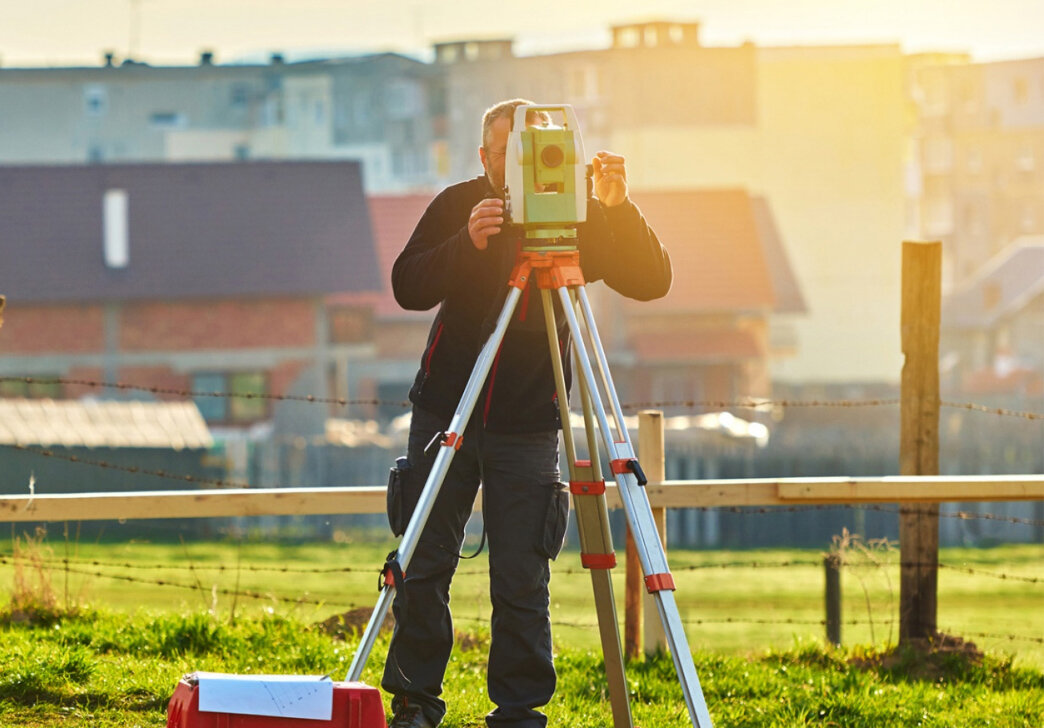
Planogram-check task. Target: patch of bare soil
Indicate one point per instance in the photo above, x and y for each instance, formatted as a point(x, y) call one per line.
point(353, 621)
point(932, 659)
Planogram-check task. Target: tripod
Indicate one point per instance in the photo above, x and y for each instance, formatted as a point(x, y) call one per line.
point(557, 268)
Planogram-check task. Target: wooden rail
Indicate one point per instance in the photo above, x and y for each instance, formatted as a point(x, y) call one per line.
point(371, 499)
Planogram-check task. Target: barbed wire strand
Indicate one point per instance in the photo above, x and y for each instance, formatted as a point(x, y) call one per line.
point(755, 404)
point(185, 393)
point(62, 563)
point(269, 596)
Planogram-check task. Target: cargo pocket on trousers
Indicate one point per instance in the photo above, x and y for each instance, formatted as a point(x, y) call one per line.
point(398, 482)
point(555, 520)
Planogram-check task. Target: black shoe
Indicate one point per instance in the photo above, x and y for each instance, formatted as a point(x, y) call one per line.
point(410, 716)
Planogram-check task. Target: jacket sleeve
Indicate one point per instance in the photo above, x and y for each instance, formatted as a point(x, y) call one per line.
point(435, 258)
point(619, 247)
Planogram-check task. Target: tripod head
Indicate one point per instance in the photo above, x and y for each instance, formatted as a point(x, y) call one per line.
point(546, 176)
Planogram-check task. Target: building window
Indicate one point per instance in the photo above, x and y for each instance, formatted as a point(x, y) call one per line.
point(19, 388)
point(938, 155)
point(167, 120)
point(95, 100)
point(402, 99)
point(1029, 218)
point(115, 229)
point(213, 409)
point(938, 216)
point(243, 409)
point(583, 83)
point(228, 404)
point(628, 38)
point(1025, 161)
point(448, 53)
point(239, 95)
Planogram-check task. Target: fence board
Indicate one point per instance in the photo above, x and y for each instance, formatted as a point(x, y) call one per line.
point(371, 499)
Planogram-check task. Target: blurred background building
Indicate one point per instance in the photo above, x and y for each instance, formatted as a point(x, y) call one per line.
point(262, 204)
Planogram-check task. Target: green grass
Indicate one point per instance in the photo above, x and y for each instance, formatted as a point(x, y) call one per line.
point(729, 605)
point(110, 669)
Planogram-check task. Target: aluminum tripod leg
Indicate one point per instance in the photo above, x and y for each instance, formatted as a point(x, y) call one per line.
point(636, 503)
point(435, 478)
point(592, 519)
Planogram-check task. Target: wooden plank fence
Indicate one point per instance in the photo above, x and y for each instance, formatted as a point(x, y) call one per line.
point(662, 495)
point(667, 494)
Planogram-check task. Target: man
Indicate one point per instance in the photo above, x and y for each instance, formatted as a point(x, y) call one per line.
point(457, 259)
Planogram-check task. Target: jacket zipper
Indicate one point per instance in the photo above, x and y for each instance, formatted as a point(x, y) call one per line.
point(431, 350)
point(489, 390)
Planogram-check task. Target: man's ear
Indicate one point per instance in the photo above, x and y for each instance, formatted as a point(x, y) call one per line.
point(482, 156)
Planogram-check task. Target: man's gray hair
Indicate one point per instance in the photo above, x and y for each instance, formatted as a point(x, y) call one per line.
point(506, 110)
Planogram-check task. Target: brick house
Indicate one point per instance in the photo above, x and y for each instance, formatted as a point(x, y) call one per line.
point(203, 277)
point(398, 336)
point(726, 321)
point(715, 336)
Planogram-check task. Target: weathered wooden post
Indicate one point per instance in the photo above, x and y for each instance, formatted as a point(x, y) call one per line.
point(919, 437)
point(653, 458)
point(636, 599)
point(832, 572)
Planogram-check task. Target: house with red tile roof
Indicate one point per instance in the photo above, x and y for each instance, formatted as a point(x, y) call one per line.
point(397, 336)
point(714, 336)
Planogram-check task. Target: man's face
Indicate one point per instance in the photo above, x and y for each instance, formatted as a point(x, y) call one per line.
point(493, 151)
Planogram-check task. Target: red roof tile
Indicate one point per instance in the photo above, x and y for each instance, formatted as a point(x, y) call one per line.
point(714, 241)
point(393, 218)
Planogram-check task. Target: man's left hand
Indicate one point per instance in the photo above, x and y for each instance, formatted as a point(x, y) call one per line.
point(610, 178)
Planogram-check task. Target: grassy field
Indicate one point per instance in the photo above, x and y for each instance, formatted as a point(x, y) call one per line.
point(98, 634)
point(108, 670)
point(733, 603)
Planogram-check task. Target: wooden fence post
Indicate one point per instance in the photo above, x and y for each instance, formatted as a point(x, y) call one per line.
point(653, 459)
point(832, 571)
point(636, 599)
point(919, 437)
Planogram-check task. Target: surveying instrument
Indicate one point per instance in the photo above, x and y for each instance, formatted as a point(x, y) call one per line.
point(546, 198)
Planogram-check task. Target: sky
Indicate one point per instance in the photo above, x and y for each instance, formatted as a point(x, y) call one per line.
point(173, 32)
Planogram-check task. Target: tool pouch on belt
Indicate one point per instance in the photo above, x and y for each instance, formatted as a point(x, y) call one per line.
point(555, 519)
point(399, 507)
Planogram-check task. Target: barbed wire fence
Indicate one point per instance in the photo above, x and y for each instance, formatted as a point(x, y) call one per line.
point(118, 571)
point(126, 571)
point(691, 404)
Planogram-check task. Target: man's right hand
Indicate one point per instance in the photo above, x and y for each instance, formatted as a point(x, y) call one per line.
point(486, 219)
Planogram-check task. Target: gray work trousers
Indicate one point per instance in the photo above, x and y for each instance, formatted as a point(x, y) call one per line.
point(524, 508)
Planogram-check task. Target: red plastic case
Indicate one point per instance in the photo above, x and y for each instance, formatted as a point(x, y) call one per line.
point(354, 706)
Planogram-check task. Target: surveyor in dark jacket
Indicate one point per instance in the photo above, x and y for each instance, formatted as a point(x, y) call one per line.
point(460, 258)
